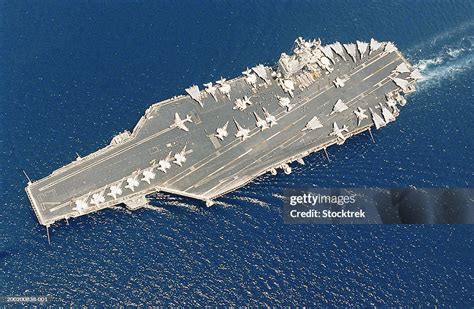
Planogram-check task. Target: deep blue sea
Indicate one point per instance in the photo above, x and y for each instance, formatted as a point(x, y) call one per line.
point(75, 73)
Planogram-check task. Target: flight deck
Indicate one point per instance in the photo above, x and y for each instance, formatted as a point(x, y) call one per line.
point(212, 141)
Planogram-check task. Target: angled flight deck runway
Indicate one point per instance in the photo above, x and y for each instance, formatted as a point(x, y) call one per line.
point(212, 141)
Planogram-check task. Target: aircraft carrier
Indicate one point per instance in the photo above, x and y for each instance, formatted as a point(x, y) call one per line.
point(212, 140)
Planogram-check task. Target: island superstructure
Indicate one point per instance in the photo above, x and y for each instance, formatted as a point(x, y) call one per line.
point(213, 140)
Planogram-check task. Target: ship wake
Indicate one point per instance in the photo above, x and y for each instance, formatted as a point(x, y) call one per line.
point(444, 56)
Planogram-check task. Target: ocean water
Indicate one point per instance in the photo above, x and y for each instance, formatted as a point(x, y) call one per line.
point(73, 74)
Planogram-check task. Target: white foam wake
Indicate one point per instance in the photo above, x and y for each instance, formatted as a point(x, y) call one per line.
point(444, 56)
point(436, 70)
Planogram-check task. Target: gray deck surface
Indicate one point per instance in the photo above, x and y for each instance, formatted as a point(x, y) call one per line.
point(211, 171)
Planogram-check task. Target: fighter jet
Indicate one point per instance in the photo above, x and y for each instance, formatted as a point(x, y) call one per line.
point(390, 47)
point(97, 198)
point(221, 81)
point(402, 68)
point(339, 133)
point(327, 52)
point(313, 124)
point(195, 94)
point(224, 87)
point(114, 191)
point(80, 205)
point(338, 107)
point(400, 82)
point(387, 115)
point(180, 123)
point(250, 78)
point(148, 175)
point(262, 73)
point(241, 104)
point(285, 102)
point(132, 182)
point(261, 123)
point(378, 121)
point(222, 132)
point(165, 164)
point(360, 113)
point(241, 132)
point(269, 118)
point(362, 47)
point(374, 45)
point(247, 72)
point(211, 90)
point(180, 157)
point(337, 47)
point(351, 50)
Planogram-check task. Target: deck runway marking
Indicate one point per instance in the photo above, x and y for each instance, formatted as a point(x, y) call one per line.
point(222, 167)
point(105, 159)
